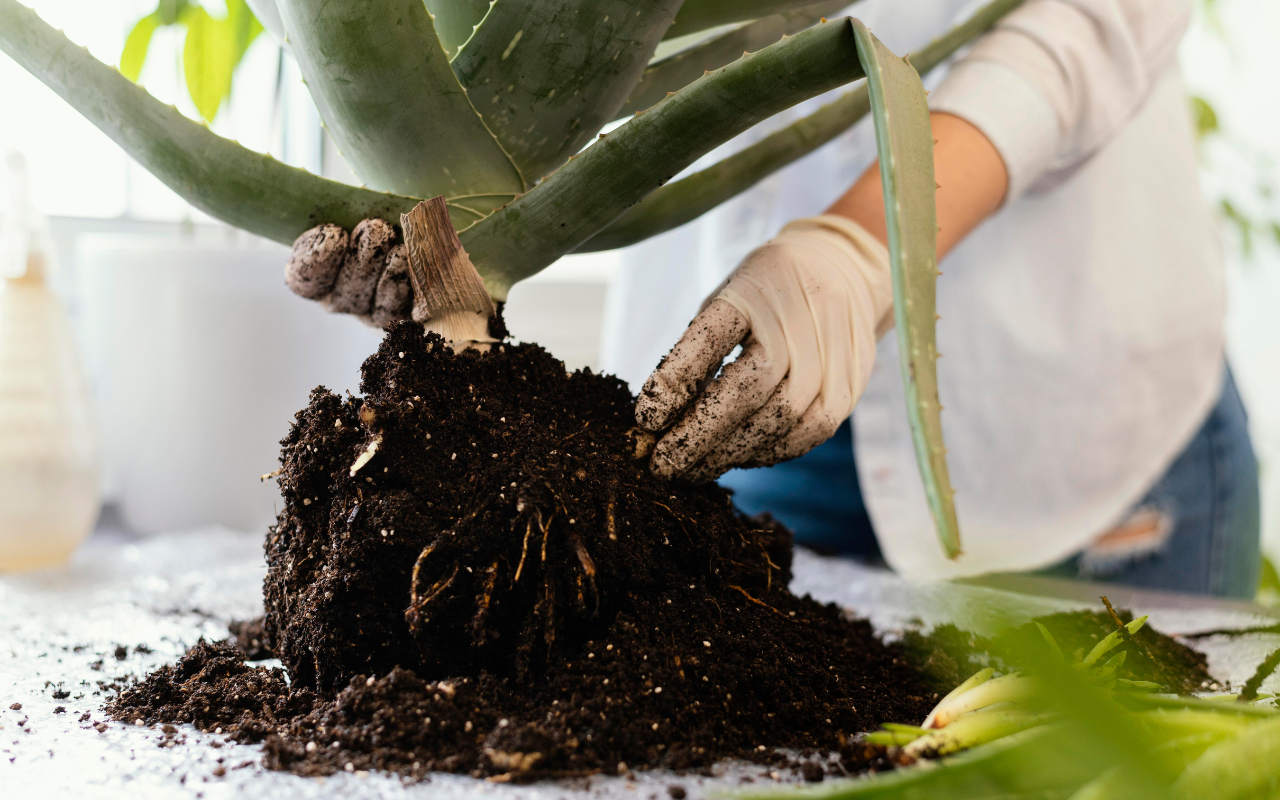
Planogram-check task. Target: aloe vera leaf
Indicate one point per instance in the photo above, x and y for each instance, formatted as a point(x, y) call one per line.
point(218, 176)
point(1264, 670)
point(384, 88)
point(547, 76)
point(700, 15)
point(689, 198)
point(904, 142)
point(601, 182)
point(680, 69)
point(456, 20)
point(1243, 767)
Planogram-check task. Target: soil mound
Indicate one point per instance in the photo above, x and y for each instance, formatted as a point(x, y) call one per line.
point(472, 572)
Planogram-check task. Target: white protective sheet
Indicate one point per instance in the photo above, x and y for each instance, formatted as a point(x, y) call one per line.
point(168, 590)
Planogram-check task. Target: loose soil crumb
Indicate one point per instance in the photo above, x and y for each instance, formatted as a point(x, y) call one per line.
point(948, 655)
point(473, 573)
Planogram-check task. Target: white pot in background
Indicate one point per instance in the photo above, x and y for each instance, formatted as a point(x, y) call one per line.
point(200, 357)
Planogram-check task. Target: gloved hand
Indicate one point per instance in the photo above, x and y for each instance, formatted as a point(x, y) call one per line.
point(807, 308)
point(365, 274)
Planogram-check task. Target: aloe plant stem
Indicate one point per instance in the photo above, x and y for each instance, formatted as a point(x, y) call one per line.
point(687, 199)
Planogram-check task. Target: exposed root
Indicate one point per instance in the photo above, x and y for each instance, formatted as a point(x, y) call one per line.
point(761, 602)
point(478, 623)
point(524, 550)
point(610, 520)
point(417, 604)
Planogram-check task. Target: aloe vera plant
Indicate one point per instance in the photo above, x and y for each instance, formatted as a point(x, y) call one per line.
point(498, 106)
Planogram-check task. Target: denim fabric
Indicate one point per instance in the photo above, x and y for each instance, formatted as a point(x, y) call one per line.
point(1210, 497)
point(1208, 500)
point(816, 495)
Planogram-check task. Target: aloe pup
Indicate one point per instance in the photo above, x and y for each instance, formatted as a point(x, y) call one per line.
point(497, 108)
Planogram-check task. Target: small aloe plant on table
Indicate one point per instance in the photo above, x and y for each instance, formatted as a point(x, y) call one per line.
point(495, 109)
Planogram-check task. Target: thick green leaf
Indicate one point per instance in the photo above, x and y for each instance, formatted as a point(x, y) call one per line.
point(699, 15)
point(386, 92)
point(208, 60)
point(218, 176)
point(604, 180)
point(904, 142)
point(547, 76)
point(689, 198)
point(680, 69)
point(455, 20)
point(136, 45)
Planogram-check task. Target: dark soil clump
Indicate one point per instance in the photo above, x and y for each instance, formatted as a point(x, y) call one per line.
point(947, 655)
point(473, 573)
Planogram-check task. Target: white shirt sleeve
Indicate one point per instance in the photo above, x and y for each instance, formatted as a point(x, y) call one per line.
point(1057, 79)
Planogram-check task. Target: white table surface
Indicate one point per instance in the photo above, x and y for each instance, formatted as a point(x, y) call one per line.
point(166, 591)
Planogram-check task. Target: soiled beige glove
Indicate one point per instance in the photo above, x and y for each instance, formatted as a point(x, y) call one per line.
point(807, 308)
point(365, 274)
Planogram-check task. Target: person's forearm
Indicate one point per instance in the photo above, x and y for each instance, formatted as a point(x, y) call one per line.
point(971, 179)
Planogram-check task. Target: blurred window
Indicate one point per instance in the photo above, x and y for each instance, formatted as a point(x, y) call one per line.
point(77, 171)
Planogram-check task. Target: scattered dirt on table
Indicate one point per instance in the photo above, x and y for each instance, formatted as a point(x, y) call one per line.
point(473, 573)
point(947, 655)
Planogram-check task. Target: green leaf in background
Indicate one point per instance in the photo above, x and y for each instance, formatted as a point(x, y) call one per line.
point(213, 48)
point(171, 11)
point(208, 59)
point(1204, 117)
point(136, 45)
point(244, 26)
point(1243, 225)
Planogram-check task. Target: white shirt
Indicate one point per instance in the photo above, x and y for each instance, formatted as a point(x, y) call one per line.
point(1081, 325)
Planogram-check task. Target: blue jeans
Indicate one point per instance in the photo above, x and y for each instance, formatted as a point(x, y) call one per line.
point(1207, 505)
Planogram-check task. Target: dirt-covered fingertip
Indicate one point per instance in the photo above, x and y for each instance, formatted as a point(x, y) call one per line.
point(316, 258)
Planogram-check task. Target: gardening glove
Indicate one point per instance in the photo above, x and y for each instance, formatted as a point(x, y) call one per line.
point(807, 308)
point(365, 274)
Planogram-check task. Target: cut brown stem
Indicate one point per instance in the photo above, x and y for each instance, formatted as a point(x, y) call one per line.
point(448, 294)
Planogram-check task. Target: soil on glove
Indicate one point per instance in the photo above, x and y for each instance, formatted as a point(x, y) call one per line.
point(474, 573)
point(948, 655)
